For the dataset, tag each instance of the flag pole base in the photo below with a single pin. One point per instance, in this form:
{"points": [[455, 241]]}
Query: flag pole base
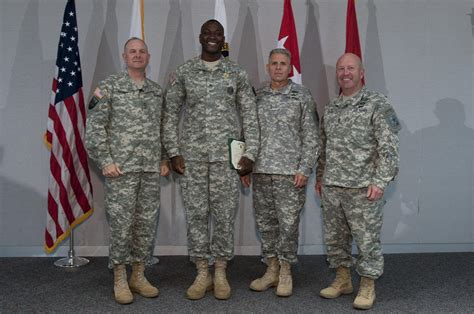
{"points": [[153, 260], [71, 262]]}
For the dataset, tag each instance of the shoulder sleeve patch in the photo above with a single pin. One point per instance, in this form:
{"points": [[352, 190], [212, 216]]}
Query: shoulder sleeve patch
{"points": [[392, 120], [96, 98]]}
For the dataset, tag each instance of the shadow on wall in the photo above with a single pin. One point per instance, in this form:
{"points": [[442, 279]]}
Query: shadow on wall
{"points": [[446, 176], [108, 54], [312, 63], [249, 46], [22, 213]]}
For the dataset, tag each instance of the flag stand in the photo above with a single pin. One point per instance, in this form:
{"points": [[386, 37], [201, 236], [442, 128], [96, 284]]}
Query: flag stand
{"points": [[72, 260], [153, 260]]}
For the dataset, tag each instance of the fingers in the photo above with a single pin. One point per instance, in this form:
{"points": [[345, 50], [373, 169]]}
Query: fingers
{"points": [[245, 181], [374, 193], [300, 180], [111, 171], [317, 188]]}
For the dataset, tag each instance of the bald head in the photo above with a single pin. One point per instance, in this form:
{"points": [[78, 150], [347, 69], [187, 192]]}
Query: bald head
{"points": [[350, 57], [349, 72]]}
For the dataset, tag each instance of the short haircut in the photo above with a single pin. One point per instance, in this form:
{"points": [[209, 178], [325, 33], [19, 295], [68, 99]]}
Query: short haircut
{"points": [[134, 38], [212, 21], [282, 51]]}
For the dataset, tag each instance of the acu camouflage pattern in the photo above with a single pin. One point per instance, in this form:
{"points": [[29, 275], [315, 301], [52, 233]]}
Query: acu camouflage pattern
{"points": [[289, 136], [359, 142], [132, 201], [277, 204], [124, 126], [210, 190], [220, 104], [348, 215]]}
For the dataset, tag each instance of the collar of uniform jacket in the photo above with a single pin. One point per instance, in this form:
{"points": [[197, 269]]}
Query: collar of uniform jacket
{"points": [[285, 90], [125, 84], [351, 101], [199, 65]]}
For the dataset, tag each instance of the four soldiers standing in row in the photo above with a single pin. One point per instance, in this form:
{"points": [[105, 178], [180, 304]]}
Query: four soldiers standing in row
{"points": [[130, 117]]}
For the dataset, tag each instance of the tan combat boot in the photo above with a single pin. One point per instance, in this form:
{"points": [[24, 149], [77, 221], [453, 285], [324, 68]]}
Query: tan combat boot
{"points": [[341, 285], [202, 283], [270, 278], [221, 286], [366, 296], [122, 292], [139, 284], [285, 281]]}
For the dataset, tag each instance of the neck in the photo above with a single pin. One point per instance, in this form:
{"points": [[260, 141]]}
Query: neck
{"points": [[210, 57], [352, 92], [136, 75], [280, 84]]}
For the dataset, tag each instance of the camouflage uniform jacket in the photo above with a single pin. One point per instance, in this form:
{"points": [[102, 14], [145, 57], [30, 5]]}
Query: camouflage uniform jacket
{"points": [[288, 130], [219, 104], [359, 142], [124, 126]]}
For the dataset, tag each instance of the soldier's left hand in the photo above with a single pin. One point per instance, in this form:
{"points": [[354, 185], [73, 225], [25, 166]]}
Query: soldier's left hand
{"points": [[374, 193], [246, 166], [300, 180]]}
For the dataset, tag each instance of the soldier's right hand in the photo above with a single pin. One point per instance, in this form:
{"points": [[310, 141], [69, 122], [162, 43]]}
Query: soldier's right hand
{"points": [[177, 162], [111, 171]]}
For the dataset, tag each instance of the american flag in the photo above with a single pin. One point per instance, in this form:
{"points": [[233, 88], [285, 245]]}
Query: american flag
{"points": [[70, 189]]}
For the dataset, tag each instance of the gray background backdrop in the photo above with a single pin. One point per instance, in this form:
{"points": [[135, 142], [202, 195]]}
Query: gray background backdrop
{"points": [[419, 53]]}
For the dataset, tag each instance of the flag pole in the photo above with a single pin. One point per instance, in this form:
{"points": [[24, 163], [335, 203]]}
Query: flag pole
{"points": [[71, 261]]}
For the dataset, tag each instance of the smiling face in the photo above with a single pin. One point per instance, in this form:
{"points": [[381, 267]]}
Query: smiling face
{"points": [[135, 55], [211, 39], [349, 73]]}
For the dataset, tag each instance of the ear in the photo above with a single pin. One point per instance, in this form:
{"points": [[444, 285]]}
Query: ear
{"points": [[267, 67]]}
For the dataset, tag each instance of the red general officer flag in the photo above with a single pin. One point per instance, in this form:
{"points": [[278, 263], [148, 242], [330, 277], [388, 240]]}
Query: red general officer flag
{"points": [[289, 40]]}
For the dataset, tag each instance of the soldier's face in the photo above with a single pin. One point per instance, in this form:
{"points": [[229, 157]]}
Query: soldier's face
{"points": [[349, 74], [136, 55], [212, 38], [279, 67]]}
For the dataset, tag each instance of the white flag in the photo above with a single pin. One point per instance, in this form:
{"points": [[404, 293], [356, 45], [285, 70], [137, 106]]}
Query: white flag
{"points": [[137, 27]]}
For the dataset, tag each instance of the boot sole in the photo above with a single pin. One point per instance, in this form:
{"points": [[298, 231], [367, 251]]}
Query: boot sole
{"points": [[224, 297], [144, 294], [362, 307], [327, 296], [210, 288], [265, 289]]}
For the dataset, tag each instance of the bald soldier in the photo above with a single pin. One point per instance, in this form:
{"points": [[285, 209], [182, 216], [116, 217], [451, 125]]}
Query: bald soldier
{"points": [[123, 139], [359, 157], [219, 104]]}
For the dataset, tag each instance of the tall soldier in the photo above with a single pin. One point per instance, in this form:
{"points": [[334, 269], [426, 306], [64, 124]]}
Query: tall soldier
{"points": [[288, 151], [359, 157], [218, 96], [123, 139]]}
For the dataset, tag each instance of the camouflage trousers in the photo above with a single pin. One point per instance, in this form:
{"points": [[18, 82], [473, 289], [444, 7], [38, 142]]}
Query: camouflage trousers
{"points": [[348, 215], [210, 190], [132, 201], [277, 204]]}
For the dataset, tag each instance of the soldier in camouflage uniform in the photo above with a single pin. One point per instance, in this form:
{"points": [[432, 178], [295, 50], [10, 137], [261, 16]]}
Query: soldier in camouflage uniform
{"points": [[288, 151], [123, 139], [220, 105], [359, 157]]}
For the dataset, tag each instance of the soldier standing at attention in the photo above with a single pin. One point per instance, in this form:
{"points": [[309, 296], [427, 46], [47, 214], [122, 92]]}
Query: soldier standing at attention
{"points": [[288, 150], [218, 96], [358, 158], [123, 139]]}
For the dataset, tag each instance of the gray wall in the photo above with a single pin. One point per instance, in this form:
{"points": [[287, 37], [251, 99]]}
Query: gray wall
{"points": [[418, 52]]}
